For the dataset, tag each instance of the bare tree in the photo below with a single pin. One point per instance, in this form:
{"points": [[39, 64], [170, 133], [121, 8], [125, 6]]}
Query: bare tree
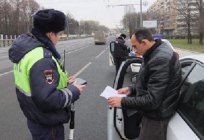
{"points": [[1, 15], [15, 15], [89, 26], [28, 7], [5, 14], [131, 21], [103, 28], [200, 7], [158, 16], [73, 25], [188, 14]]}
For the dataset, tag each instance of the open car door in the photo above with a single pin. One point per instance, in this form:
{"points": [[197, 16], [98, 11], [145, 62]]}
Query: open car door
{"points": [[112, 47], [116, 123]]}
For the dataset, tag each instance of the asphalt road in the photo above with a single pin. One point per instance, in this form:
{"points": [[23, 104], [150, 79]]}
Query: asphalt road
{"points": [[83, 58]]}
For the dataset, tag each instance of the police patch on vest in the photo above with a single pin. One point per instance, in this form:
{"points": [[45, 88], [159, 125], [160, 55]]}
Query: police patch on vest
{"points": [[49, 79]]}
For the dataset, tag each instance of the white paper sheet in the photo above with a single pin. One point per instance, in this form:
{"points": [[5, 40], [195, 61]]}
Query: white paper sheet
{"points": [[110, 92]]}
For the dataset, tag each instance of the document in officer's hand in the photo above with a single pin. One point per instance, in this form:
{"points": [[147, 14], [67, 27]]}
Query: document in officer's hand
{"points": [[110, 92]]}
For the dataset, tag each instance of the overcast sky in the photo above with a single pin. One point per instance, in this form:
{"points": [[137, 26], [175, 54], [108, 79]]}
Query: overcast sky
{"points": [[94, 9]]}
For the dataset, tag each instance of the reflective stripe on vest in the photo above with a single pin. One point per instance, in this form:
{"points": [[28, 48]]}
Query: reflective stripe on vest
{"points": [[22, 71]]}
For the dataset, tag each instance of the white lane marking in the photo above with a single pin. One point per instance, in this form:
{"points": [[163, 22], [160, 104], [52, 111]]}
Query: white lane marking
{"points": [[6, 73], [81, 70], [100, 54], [75, 50]]}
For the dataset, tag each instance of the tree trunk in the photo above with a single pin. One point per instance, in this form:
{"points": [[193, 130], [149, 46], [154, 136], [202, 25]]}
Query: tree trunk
{"points": [[189, 34], [201, 38], [189, 26], [201, 26]]}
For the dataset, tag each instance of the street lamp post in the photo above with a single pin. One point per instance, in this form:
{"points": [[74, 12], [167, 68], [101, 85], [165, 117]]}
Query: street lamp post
{"points": [[141, 4], [141, 22]]}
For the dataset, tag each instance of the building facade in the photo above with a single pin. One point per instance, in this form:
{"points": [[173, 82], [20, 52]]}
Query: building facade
{"points": [[175, 17]]}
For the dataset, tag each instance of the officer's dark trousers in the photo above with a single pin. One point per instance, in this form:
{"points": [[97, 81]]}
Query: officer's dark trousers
{"points": [[118, 62], [40, 132], [153, 130]]}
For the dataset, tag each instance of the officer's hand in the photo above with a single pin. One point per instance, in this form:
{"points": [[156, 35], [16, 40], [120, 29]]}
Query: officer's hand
{"points": [[70, 79], [80, 87], [124, 90]]}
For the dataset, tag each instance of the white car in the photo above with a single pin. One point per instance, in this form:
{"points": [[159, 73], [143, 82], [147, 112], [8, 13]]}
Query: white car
{"points": [[188, 121]]}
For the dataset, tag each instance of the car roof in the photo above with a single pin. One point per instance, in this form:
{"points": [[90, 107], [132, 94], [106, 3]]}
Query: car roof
{"points": [[198, 57]]}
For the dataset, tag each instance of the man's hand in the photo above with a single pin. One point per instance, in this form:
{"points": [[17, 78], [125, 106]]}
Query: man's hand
{"points": [[115, 101], [124, 90]]}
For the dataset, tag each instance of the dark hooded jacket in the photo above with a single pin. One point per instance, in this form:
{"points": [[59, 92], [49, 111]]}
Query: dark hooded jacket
{"points": [[157, 88], [47, 105], [120, 49]]}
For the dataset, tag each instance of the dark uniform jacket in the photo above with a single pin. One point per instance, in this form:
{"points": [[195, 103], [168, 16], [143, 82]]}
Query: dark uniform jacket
{"points": [[157, 85], [47, 105]]}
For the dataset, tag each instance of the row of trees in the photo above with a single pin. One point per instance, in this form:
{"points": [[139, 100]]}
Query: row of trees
{"points": [[84, 26], [16, 18]]}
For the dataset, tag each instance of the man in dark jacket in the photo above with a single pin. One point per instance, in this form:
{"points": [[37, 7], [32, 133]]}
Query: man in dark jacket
{"points": [[120, 51], [42, 88], [157, 87]]}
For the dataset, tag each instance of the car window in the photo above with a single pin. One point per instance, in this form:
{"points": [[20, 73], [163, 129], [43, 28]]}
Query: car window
{"points": [[185, 67], [112, 45], [192, 106]]}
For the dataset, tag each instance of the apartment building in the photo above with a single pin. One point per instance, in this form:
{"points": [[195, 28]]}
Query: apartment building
{"points": [[172, 16]]}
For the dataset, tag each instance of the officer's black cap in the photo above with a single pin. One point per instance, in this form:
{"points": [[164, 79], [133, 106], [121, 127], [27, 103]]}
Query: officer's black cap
{"points": [[50, 20]]}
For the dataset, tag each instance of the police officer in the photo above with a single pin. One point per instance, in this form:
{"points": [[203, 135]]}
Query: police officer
{"points": [[120, 51], [42, 88]]}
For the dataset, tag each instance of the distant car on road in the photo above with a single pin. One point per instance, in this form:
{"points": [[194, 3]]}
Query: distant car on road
{"points": [[188, 121], [158, 36], [99, 37]]}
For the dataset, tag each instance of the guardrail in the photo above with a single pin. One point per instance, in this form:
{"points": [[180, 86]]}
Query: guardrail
{"points": [[6, 41]]}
